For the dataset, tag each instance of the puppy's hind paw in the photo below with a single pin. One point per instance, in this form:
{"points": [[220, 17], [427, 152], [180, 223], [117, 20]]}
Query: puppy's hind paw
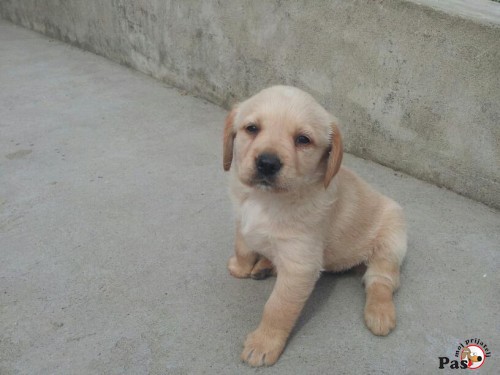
{"points": [[380, 318], [237, 270], [262, 269]]}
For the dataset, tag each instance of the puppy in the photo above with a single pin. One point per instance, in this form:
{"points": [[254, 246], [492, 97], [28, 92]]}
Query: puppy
{"points": [[299, 213]]}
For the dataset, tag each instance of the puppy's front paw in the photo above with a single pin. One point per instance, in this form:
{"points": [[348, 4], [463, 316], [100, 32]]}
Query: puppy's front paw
{"points": [[380, 317], [238, 270], [263, 348]]}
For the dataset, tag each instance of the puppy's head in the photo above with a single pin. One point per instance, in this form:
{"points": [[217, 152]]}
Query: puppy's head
{"points": [[282, 140]]}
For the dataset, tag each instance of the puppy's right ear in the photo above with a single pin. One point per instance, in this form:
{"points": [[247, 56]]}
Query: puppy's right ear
{"points": [[229, 134]]}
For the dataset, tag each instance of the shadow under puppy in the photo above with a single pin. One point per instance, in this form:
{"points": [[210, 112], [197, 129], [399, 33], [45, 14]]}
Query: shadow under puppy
{"points": [[299, 213]]}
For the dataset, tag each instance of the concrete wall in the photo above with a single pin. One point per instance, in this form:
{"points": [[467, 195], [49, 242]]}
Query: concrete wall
{"points": [[417, 89]]}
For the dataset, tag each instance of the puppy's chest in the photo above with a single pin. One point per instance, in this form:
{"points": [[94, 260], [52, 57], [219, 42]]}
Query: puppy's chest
{"points": [[263, 224]]}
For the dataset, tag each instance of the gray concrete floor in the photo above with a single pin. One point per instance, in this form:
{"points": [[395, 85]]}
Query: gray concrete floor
{"points": [[115, 228]]}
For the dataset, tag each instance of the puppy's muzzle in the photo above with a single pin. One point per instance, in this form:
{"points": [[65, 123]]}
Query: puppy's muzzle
{"points": [[268, 166]]}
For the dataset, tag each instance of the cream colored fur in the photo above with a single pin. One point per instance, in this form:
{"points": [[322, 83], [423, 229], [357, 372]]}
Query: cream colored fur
{"points": [[314, 216]]}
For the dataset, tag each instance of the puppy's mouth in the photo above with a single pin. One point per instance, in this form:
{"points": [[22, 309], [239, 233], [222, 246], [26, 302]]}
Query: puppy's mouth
{"points": [[266, 184]]}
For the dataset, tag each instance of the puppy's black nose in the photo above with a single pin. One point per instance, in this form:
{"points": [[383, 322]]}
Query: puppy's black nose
{"points": [[479, 358], [268, 165]]}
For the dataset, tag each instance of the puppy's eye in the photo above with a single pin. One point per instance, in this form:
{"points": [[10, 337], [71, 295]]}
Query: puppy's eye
{"points": [[302, 140], [252, 129]]}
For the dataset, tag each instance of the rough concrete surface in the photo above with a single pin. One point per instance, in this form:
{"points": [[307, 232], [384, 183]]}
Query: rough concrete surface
{"points": [[483, 11], [115, 228], [417, 89]]}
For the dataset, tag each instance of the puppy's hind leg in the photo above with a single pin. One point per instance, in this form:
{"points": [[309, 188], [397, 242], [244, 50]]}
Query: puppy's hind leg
{"points": [[240, 265], [262, 269], [382, 279]]}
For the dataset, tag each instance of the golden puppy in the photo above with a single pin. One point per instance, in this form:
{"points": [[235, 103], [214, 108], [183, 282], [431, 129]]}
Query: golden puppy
{"points": [[298, 213]]}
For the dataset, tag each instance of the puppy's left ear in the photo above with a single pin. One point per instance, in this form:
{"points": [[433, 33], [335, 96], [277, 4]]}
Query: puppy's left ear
{"points": [[335, 155], [229, 134]]}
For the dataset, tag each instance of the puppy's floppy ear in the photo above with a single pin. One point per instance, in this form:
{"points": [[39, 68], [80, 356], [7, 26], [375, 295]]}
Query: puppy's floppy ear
{"points": [[229, 134], [335, 155]]}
